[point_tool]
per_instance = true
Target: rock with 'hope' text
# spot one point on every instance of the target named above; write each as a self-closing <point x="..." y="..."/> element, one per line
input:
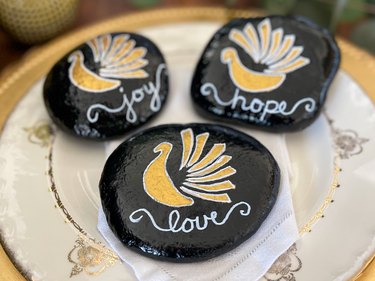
<point x="272" y="72"/>
<point x="185" y="193"/>
<point x="107" y="86"/>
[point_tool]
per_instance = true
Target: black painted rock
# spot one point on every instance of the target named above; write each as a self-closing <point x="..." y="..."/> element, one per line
<point x="107" y="86"/>
<point x="185" y="193"/>
<point x="272" y="73"/>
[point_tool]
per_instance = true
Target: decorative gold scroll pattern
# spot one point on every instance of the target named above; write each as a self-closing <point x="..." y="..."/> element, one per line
<point x="88" y="255"/>
<point x="285" y="266"/>
<point x="41" y="133"/>
<point x="327" y="200"/>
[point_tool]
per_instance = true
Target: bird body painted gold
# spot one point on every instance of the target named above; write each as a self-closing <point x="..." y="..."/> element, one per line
<point x="87" y="80"/>
<point x="157" y="182"/>
<point x="204" y="178"/>
<point x="118" y="58"/>
<point x="246" y="79"/>
<point x="265" y="46"/>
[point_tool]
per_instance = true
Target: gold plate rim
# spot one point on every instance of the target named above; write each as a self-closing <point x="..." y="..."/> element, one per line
<point x="359" y="64"/>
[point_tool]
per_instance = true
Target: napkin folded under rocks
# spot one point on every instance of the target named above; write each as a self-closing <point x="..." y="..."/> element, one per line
<point x="249" y="261"/>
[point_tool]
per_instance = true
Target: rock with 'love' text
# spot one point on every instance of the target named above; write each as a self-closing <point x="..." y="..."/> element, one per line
<point x="185" y="193"/>
<point x="107" y="86"/>
<point x="272" y="72"/>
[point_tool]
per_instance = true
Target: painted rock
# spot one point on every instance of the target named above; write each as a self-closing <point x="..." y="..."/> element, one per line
<point x="107" y="86"/>
<point x="168" y="191"/>
<point x="272" y="73"/>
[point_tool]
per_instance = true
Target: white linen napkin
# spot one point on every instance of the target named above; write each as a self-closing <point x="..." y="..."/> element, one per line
<point x="249" y="261"/>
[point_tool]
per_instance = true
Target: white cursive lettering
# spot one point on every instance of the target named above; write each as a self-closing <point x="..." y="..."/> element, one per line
<point x="189" y="224"/>
<point x="257" y="106"/>
<point x="151" y="88"/>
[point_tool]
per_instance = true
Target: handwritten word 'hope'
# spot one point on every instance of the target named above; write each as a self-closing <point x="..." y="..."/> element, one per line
<point x="256" y="105"/>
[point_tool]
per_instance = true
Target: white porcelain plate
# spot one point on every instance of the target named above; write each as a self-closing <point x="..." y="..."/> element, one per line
<point x="49" y="181"/>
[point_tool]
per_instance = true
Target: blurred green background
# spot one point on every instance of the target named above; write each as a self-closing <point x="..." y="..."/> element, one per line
<point x="354" y="19"/>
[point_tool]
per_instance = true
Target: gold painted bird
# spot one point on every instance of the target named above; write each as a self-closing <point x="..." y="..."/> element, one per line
<point x="118" y="58"/>
<point x="265" y="46"/>
<point x="205" y="178"/>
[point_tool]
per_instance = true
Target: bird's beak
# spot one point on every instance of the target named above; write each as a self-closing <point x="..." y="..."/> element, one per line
<point x="162" y="147"/>
<point x="225" y="55"/>
<point x="158" y="148"/>
<point x="72" y="56"/>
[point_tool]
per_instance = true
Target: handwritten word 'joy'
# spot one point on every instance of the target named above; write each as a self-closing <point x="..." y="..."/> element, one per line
<point x="137" y="95"/>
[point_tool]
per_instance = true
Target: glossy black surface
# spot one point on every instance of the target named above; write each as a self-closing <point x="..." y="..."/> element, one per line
<point x="312" y="80"/>
<point x="68" y="105"/>
<point x="122" y="192"/>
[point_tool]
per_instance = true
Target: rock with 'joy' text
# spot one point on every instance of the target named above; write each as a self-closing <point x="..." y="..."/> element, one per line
<point x="107" y="86"/>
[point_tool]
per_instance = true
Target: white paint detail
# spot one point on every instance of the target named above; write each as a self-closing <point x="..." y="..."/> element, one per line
<point x="194" y="169"/>
<point x="202" y="195"/>
<point x="189" y="224"/>
<point x="255" y="105"/>
<point x="196" y="186"/>
<point x="206" y="170"/>
<point x="137" y="96"/>
<point x="215" y="174"/>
